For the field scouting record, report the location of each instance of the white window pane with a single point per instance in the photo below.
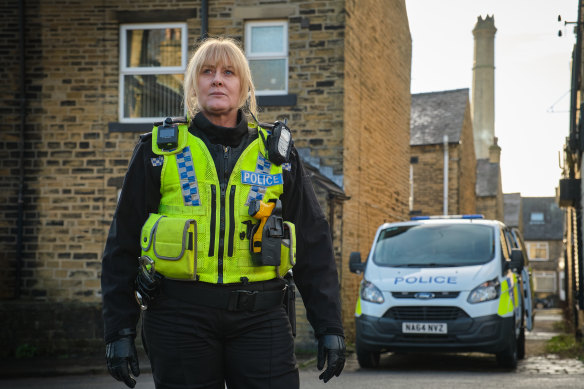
(269, 74)
(267, 39)
(545, 283)
(536, 218)
(153, 95)
(153, 47)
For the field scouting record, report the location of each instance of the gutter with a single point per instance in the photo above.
(204, 19)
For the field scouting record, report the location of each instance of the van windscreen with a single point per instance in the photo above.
(436, 245)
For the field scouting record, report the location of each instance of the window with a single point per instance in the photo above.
(152, 66)
(545, 281)
(538, 251)
(266, 48)
(435, 244)
(536, 218)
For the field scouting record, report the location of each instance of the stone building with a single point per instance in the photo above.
(85, 89)
(489, 188)
(569, 193)
(543, 233)
(442, 154)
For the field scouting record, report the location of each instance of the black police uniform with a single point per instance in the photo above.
(195, 346)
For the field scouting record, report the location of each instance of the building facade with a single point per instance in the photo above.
(543, 233)
(91, 76)
(442, 174)
(569, 194)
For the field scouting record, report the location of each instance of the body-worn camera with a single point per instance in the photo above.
(167, 136)
(279, 143)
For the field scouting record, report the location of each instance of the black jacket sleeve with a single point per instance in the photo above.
(315, 272)
(140, 195)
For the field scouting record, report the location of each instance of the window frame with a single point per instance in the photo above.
(538, 245)
(269, 55)
(125, 70)
(545, 275)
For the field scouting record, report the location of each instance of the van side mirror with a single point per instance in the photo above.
(516, 262)
(355, 264)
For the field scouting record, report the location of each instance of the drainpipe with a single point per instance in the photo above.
(445, 140)
(204, 19)
(411, 199)
(20, 205)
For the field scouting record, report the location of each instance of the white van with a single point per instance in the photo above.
(444, 284)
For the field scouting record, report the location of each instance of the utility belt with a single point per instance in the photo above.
(232, 299)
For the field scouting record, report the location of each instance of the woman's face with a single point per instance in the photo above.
(219, 91)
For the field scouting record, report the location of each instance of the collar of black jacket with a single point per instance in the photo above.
(227, 136)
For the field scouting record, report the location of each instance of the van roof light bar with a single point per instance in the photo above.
(471, 216)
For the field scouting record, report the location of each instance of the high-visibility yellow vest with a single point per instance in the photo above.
(202, 234)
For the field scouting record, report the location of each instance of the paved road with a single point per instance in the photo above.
(448, 371)
(428, 371)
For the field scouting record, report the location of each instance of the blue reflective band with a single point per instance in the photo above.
(261, 179)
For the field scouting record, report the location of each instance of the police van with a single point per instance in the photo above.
(445, 284)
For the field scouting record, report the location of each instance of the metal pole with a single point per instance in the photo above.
(445, 140)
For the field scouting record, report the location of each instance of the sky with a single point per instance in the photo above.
(532, 76)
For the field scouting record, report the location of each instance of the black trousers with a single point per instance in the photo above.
(192, 346)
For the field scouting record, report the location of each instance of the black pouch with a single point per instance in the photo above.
(290, 301)
(147, 283)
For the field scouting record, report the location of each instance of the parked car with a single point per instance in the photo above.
(443, 284)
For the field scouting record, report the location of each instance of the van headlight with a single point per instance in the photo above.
(486, 291)
(370, 292)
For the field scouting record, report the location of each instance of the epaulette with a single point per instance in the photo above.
(146, 137)
(266, 126)
(175, 120)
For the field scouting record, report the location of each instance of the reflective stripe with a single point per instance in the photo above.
(358, 307)
(188, 179)
(258, 192)
(505, 301)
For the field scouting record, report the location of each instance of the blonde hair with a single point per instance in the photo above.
(219, 51)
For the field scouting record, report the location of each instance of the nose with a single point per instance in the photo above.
(217, 79)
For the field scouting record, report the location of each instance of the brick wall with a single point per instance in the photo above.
(10, 127)
(376, 130)
(74, 167)
(429, 179)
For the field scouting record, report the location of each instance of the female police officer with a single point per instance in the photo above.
(189, 210)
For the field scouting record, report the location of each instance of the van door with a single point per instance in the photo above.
(525, 280)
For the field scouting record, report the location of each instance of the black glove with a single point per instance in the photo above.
(119, 354)
(331, 348)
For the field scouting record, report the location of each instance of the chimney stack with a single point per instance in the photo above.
(483, 86)
(495, 152)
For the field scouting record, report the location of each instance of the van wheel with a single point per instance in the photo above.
(521, 344)
(367, 359)
(508, 357)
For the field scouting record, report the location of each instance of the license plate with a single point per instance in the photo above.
(424, 328)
